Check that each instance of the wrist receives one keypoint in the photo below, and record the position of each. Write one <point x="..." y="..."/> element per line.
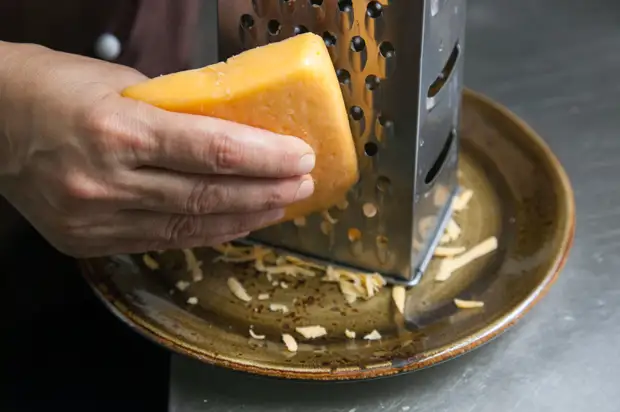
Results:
<point x="14" y="112"/>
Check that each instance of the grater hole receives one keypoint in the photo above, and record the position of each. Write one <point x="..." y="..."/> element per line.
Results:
<point x="274" y="27"/>
<point x="329" y="39"/>
<point x="387" y="49"/>
<point x="441" y="159"/>
<point x="358" y="44"/>
<point x="316" y="3"/>
<point x="344" y="77"/>
<point x="372" y="82"/>
<point x="383" y="184"/>
<point x="300" y="29"/>
<point x="371" y="149"/>
<point x="356" y="113"/>
<point x="385" y="121"/>
<point x="369" y="210"/>
<point x="374" y="9"/>
<point x="345" y="5"/>
<point x="247" y="21"/>
<point x="354" y="234"/>
<point x="441" y="79"/>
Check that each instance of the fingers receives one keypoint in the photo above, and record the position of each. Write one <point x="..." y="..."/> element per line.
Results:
<point x="175" y="229"/>
<point x="204" y="145"/>
<point x="148" y="246"/>
<point x="168" y="192"/>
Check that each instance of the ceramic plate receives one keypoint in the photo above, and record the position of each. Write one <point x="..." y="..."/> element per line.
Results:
<point x="521" y="195"/>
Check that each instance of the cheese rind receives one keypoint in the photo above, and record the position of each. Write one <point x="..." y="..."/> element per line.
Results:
<point x="289" y="88"/>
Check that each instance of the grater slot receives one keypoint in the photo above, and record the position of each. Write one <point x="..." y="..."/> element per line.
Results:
<point x="437" y="166"/>
<point x="434" y="93"/>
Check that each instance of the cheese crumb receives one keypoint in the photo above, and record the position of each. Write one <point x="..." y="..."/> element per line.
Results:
<point x="374" y="335"/>
<point x="468" y="304"/>
<point x="449" y="265"/>
<point x="263" y="296"/>
<point x="328" y="217"/>
<point x="255" y="336"/>
<point x="182" y="285"/>
<point x="445" y="251"/>
<point x="290" y="342"/>
<point x="349" y="334"/>
<point x="193" y="300"/>
<point x="461" y="201"/>
<point x="238" y="290"/>
<point x="278" y="307"/>
<point x="149" y="262"/>
<point x="311" y="332"/>
<point x="399" y="296"/>
<point x="194" y="266"/>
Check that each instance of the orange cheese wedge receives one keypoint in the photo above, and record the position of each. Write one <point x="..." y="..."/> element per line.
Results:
<point x="289" y="87"/>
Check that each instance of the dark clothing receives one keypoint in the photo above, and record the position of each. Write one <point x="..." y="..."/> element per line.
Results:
<point x="155" y="34"/>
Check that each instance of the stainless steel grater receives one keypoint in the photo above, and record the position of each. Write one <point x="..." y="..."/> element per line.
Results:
<point x="399" y="63"/>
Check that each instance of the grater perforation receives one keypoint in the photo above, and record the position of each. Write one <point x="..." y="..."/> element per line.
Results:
<point x="399" y="65"/>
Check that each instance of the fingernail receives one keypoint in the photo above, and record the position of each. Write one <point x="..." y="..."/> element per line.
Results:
<point x="306" y="163"/>
<point x="306" y="188"/>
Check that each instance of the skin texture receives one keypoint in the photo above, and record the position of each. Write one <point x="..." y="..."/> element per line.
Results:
<point x="97" y="173"/>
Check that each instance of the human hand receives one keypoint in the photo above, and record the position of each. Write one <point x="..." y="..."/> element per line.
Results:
<point x="97" y="174"/>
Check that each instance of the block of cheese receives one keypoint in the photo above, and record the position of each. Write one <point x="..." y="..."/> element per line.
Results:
<point x="289" y="87"/>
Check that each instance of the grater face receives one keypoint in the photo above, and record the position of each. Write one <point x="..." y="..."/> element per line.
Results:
<point x="400" y="68"/>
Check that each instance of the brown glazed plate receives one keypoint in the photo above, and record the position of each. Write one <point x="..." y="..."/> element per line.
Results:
<point x="522" y="196"/>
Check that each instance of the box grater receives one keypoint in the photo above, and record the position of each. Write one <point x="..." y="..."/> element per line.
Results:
<point x="399" y="63"/>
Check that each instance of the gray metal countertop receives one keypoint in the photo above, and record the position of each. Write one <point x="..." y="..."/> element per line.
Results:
<point x="554" y="63"/>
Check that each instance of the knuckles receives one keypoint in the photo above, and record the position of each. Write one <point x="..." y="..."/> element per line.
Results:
<point x="76" y="192"/>
<point x="225" y="153"/>
<point x="180" y="228"/>
<point x="112" y="133"/>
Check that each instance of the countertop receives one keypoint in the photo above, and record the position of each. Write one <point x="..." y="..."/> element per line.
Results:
<point x="553" y="62"/>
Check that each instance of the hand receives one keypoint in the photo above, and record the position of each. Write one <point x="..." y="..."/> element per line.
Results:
<point x="97" y="174"/>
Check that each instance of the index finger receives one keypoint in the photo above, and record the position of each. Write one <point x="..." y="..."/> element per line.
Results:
<point x="205" y="145"/>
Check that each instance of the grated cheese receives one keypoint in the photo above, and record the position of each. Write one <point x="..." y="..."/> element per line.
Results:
<point x="325" y="214"/>
<point x="450" y="265"/>
<point x="468" y="304"/>
<point x="237" y="289"/>
<point x="349" y="334"/>
<point x="290" y="342"/>
<point x="374" y="335"/>
<point x="194" y="266"/>
<point x="263" y="296"/>
<point x="278" y="307"/>
<point x="193" y="300"/>
<point x="461" y="201"/>
<point x="255" y="336"/>
<point x="311" y="332"/>
<point x="399" y="297"/>
<point x="149" y="262"/>
<point x="182" y="285"/>
<point x="453" y="230"/>
<point x="445" y="251"/>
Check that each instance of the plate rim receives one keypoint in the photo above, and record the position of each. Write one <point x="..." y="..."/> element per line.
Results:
<point x="422" y="360"/>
